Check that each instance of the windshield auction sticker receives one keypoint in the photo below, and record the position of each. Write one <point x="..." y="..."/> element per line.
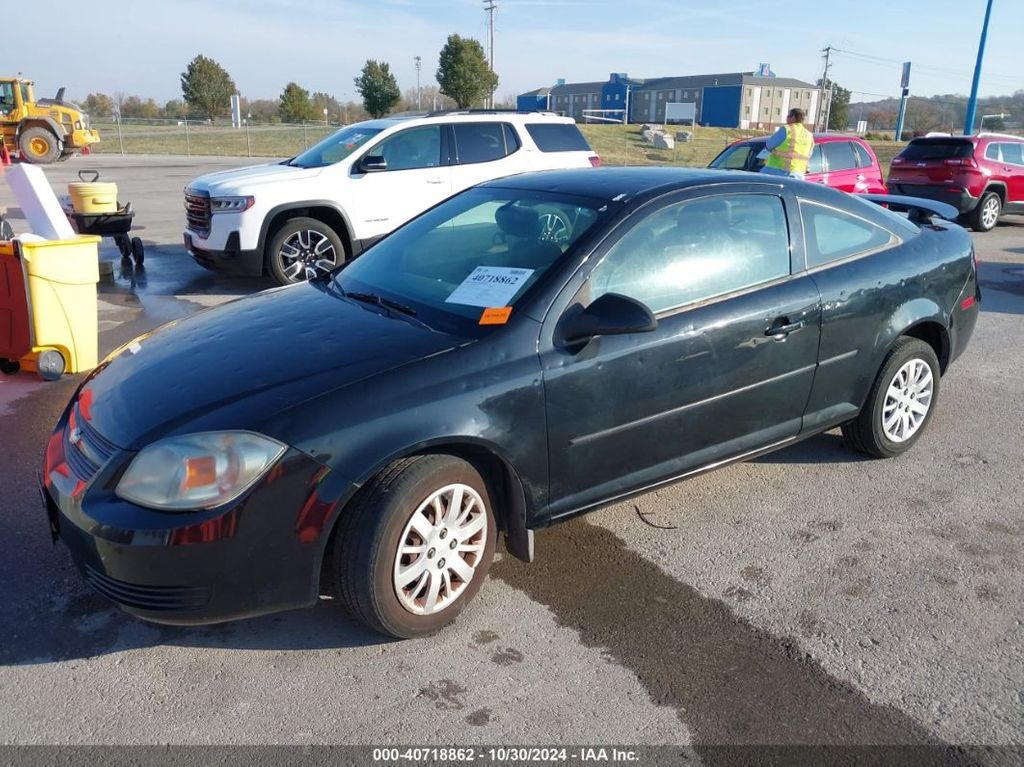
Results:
<point x="488" y="286"/>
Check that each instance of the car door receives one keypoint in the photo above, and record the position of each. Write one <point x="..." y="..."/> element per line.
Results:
<point x="416" y="177"/>
<point x="1012" y="157"/>
<point x="727" y="370"/>
<point x="841" y="171"/>
<point x="483" y="151"/>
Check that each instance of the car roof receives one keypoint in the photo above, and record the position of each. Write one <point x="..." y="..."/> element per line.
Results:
<point x="467" y="115"/>
<point x="626" y="183"/>
<point x="819" y="138"/>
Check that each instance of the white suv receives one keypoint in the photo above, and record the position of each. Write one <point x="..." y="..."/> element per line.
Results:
<point x="306" y="215"/>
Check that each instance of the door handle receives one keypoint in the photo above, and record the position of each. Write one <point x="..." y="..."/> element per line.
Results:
<point x="435" y="180"/>
<point x="782" y="327"/>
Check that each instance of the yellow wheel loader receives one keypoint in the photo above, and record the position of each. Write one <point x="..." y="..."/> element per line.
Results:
<point x="41" y="131"/>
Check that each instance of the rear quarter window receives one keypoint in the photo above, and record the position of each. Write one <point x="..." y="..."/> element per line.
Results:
<point x="483" y="142"/>
<point x="863" y="157"/>
<point x="832" y="234"/>
<point x="557" y="137"/>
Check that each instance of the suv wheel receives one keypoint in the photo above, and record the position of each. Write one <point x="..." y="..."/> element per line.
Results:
<point x="986" y="215"/>
<point x="302" y="249"/>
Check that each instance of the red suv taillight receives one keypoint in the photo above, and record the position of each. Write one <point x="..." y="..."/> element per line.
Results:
<point x="595" y="161"/>
<point x="961" y="162"/>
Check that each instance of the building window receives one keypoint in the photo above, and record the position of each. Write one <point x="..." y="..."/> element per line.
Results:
<point x="746" y="111"/>
<point x="778" y="112"/>
<point x="765" y="110"/>
<point x="647" y="97"/>
<point x="779" y="94"/>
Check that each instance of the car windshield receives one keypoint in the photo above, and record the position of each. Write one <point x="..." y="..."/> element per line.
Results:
<point x="468" y="262"/>
<point x="335" y="147"/>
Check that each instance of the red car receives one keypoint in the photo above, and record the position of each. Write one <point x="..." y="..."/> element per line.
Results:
<point x="982" y="176"/>
<point x="839" y="161"/>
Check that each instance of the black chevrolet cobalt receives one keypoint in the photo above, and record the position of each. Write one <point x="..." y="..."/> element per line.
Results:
<point x="527" y="351"/>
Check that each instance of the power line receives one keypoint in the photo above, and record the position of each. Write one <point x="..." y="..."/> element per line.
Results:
<point x="926" y="68"/>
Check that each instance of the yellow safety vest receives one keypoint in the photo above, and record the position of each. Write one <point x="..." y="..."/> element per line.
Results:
<point x="794" y="152"/>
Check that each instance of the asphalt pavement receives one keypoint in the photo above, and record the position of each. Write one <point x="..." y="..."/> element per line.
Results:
<point x="809" y="596"/>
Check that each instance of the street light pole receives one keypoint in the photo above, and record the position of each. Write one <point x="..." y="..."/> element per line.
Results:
<point x="972" y="105"/>
<point x="419" y="92"/>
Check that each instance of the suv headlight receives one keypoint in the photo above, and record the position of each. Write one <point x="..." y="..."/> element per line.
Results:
<point x="198" y="471"/>
<point x="231" y="204"/>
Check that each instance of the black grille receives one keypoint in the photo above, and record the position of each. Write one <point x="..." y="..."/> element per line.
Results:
<point x="85" y="449"/>
<point x="197" y="212"/>
<point x="156" y="598"/>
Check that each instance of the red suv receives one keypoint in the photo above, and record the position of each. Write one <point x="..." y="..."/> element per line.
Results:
<point x="841" y="162"/>
<point x="981" y="175"/>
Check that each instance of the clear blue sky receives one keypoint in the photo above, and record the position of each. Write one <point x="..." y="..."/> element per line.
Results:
<point x="322" y="44"/>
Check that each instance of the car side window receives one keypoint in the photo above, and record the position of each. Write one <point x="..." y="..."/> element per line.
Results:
<point x="814" y="165"/>
<point x="1012" y="153"/>
<point x="992" y="152"/>
<point x="735" y="158"/>
<point x="482" y="142"/>
<point x="839" y="156"/>
<point x="414" y="148"/>
<point x="863" y="158"/>
<point x="696" y="250"/>
<point x="831" y="234"/>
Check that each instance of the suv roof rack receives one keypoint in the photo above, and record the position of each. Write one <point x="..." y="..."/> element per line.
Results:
<point x="441" y="112"/>
<point x="986" y="134"/>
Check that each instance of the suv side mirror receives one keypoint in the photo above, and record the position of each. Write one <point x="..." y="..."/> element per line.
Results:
<point x="373" y="163"/>
<point x="610" y="315"/>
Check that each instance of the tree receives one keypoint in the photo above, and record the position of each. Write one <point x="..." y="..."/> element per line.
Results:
<point x="207" y="88"/>
<point x="295" y="105"/>
<point x="175" y="109"/>
<point x="839" y="109"/>
<point x="322" y="101"/>
<point x="98" y="105"/>
<point x="463" y="72"/>
<point x="378" y="88"/>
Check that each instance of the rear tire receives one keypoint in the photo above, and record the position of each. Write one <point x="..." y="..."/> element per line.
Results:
<point x="138" y="251"/>
<point x="39" y="146"/>
<point x="303" y="248"/>
<point x="901" y="401"/>
<point x="9" y="367"/>
<point x="985" y="217"/>
<point x="406" y="559"/>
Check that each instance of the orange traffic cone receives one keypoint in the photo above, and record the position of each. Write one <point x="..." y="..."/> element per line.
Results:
<point x="5" y="156"/>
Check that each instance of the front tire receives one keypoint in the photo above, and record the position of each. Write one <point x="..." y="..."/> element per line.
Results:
<point x="414" y="546"/>
<point x="39" y="146"/>
<point x="302" y="249"/>
<point x="901" y="401"/>
<point x="986" y="215"/>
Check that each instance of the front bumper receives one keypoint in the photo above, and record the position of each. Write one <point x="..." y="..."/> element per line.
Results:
<point x="79" y="139"/>
<point x="260" y="555"/>
<point x="231" y="259"/>
<point x="957" y="196"/>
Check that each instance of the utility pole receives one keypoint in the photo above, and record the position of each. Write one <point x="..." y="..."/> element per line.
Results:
<point x="972" y="105"/>
<point x="821" y="91"/>
<point x="490" y="6"/>
<point x="419" y="93"/>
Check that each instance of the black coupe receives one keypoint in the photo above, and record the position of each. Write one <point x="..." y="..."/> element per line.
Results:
<point x="528" y="350"/>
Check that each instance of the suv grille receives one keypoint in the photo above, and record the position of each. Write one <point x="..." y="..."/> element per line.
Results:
<point x="85" y="449"/>
<point x="197" y="212"/>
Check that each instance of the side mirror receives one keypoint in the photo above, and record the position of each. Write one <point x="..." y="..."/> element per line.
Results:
<point x="373" y="163"/>
<point x="610" y="315"/>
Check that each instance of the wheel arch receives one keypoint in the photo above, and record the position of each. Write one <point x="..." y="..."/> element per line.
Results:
<point x="998" y="187"/>
<point x="509" y="507"/>
<point x="324" y="211"/>
<point x="936" y="335"/>
<point x="42" y="122"/>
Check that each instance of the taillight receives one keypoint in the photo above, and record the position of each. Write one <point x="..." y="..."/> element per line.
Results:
<point x="595" y="161"/>
<point x="961" y="162"/>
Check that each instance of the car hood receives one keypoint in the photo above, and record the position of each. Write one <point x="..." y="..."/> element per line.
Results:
<point x="239" y="364"/>
<point x="242" y="180"/>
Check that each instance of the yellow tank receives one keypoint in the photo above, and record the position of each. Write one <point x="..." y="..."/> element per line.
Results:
<point x="96" y="197"/>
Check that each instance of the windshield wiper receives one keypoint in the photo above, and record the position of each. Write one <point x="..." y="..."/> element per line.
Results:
<point x="374" y="298"/>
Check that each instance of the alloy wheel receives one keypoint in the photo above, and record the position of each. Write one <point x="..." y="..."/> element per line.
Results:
<point x="990" y="212"/>
<point x="307" y="254"/>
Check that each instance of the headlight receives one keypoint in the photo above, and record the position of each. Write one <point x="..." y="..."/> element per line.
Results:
<point x="198" y="471"/>
<point x="231" y="204"/>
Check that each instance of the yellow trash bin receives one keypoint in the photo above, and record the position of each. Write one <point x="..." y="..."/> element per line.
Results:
<point x="62" y="277"/>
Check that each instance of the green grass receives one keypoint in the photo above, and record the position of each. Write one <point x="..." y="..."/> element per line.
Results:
<point x="617" y="144"/>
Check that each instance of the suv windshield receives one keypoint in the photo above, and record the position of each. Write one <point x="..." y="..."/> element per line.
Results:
<point x="937" y="149"/>
<point x="335" y="147"/>
<point x="473" y="257"/>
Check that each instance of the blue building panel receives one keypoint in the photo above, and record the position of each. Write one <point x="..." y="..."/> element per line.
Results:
<point x="720" y="106"/>
<point x="532" y="103"/>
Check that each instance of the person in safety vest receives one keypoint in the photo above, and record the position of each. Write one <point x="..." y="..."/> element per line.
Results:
<point x="790" y="147"/>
